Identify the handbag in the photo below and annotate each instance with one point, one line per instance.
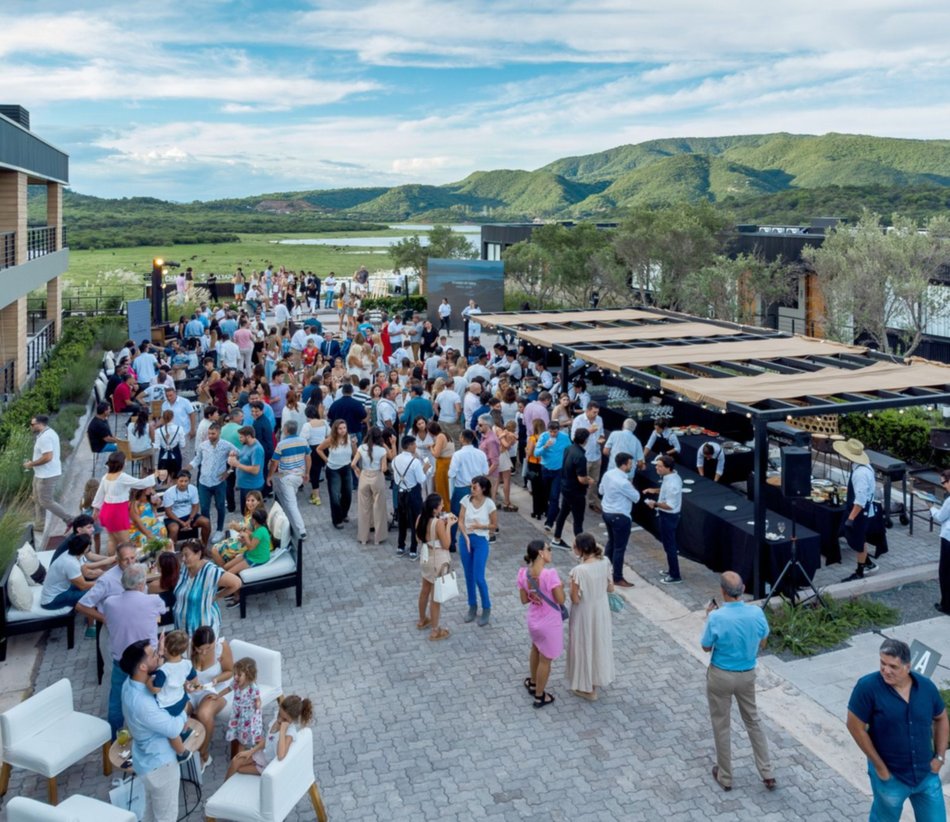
(129, 794)
(533, 583)
(446, 585)
(615, 601)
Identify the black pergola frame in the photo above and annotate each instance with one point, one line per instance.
(774, 410)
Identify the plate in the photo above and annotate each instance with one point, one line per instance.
(742, 449)
(689, 482)
(687, 490)
(822, 483)
(730, 507)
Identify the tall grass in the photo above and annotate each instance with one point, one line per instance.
(13, 519)
(806, 630)
(112, 336)
(15, 482)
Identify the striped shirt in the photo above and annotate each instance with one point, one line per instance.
(291, 454)
(194, 599)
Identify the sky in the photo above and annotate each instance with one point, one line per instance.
(210, 99)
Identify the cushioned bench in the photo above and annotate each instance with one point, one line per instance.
(285, 569)
(37, 618)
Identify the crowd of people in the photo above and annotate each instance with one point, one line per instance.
(419, 441)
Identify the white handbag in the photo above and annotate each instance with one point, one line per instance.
(446, 585)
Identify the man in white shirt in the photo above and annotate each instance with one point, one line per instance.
(329, 289)
(386, 412)
(409, 478)
(619, 497)
(460, 383)
(591, 421)
(395, 331)
(470, 403)
(445, 314)
(229, 355)
(466, 464)
(667, 508)
(479, 369)
(47, 469)
(449, 406)
(545, 377)
(399, 354)
(182, 409)
(281, 315)
(625, 442)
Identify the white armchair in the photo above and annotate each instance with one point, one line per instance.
(22, 809)
(271, 796)
(44, 734)
(269, 664)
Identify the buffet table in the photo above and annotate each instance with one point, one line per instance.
(722, 539)
(739, 464)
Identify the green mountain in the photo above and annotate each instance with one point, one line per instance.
(758, 177)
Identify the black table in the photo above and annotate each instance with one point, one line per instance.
(738, 465)
(724, 540)
(821, 517)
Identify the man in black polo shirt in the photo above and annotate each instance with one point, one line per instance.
(100, 435)
(899, 721)
(350, 410)
(574, 482)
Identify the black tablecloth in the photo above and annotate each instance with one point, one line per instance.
(821, 517)
(724, 540)
(737, 468)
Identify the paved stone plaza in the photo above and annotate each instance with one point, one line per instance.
(409, 729)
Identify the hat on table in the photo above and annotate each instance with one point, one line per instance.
(852, 450)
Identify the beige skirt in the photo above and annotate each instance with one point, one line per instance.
(432, 567)
(504, 462)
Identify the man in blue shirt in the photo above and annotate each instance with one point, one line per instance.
(194, 328)
(248, 464)
(898, 720)
(255, 396)
(735, 633)
(153, 758)
(418, 406)
(619, 497)
(549, 450)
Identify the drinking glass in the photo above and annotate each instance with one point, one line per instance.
(781, 527)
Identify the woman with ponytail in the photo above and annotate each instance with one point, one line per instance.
(541, 590)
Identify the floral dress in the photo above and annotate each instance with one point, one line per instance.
(152, 523)
(246, 724)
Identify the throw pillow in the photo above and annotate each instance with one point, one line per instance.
(30, 564)
(18, 590)
(276, 520)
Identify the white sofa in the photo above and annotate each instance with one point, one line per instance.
(271, 796)
(45, 734)
(285, 568)
(77, 808)
(14, 621)
(269, 673)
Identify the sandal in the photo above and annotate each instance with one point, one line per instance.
(544, 699)
(770, 784)
(529, 685)
(422, 624)
(509, 507)
(440, 633)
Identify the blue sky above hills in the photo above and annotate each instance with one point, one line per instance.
(213, 99)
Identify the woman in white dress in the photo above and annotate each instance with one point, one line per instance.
(590, 652)
(424, 441)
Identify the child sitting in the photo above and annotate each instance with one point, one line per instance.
(293, 715)
(246, 725)
(256, 544)
(169, 682)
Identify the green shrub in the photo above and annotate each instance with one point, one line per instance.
(808, 629)
(112, 336)
(13, 519)
(15, 481)
(906, 436)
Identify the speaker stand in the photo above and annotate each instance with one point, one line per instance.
(794, 566)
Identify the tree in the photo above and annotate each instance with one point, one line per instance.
(661, 248)
(874, 280)
(443, 244)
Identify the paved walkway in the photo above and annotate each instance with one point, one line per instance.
(408, 729)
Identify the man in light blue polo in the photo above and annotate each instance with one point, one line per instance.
(735, 633)
(153, 758)
(292, 459)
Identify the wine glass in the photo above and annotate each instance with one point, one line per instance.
(123, 737)
(781, 528)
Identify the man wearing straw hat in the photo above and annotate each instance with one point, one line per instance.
(859, 504)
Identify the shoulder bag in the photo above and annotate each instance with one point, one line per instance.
(446, 585)
(533, 584)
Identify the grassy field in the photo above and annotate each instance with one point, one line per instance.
(252, 253)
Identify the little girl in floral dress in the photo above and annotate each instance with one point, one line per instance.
(246, 725)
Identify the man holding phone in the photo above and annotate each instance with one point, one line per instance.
(735, 633)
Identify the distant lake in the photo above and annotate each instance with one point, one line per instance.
(473, 233)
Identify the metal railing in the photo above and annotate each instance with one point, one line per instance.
(89, 301)
(39, 348)
(8, 379)
(40, 241)
(7, 249)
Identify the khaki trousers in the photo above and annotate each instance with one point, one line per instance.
(43, 501)
(371, 509)
(593, 471)
(721, 687)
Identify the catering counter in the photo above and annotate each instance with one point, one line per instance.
(738, 464)
(723, 539)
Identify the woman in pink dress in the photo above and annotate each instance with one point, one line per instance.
(541, 590)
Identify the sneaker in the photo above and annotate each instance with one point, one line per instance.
(859, 574)
(557, 542)
(232, 602)
(90, 632)
(548, 528)
(206, 763)
(668, 580)
(313, 499)
(401, 552)
(493, 538)
(318, 501)
(870, 566)
(413, 555)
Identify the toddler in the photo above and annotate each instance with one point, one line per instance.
(85, 507)
(169, 682)
(246, 725)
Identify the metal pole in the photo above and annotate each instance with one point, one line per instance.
(565, 371)
(761, 466)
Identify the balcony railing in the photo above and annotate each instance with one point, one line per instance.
(7, 249)
(8, 381)
(40, 241)
(39, 348)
